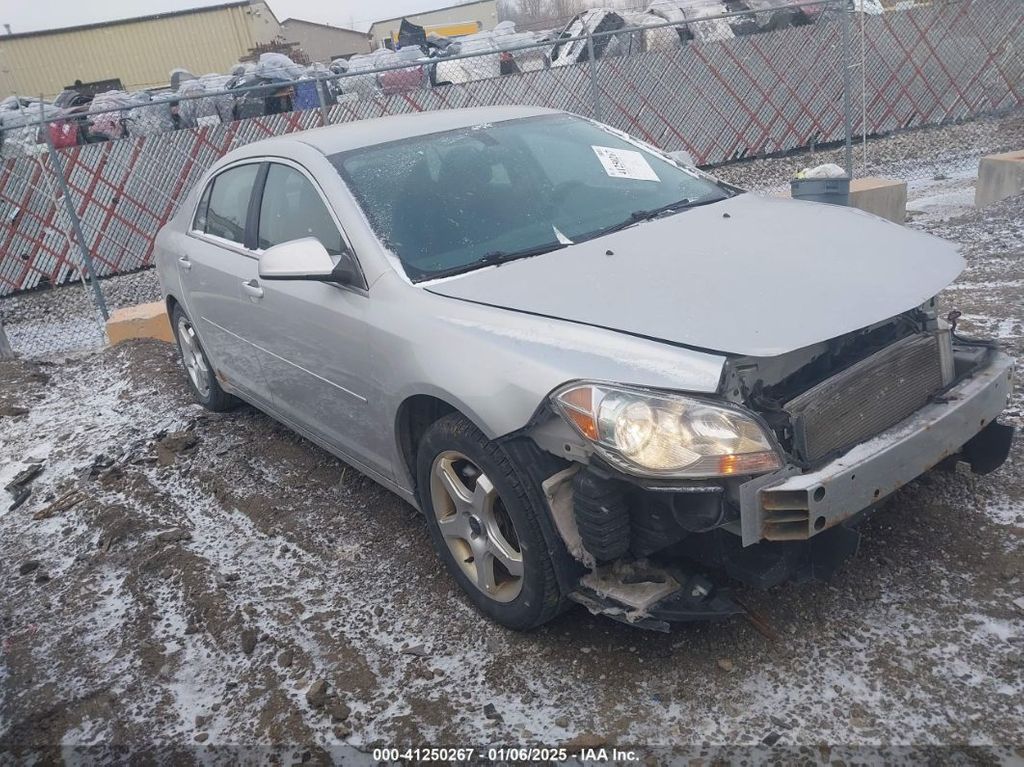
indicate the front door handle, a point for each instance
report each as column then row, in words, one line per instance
column 252, row 289
column 185, row 263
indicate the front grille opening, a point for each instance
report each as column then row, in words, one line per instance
column 867, row 398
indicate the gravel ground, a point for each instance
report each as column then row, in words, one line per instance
column 179, row 578
column 65, row 319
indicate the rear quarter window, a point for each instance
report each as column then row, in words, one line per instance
column 199, row 222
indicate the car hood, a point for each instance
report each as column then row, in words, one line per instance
column 749, row 275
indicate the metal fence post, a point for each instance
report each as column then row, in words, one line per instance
column 845, row 9
column 6, row 352
column 325, row 116
column 65, row 191
column 595, row 92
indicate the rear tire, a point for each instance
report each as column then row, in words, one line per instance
column 202, row 380
column 484, row 525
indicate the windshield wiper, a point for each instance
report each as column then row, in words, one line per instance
column 495, row 258
column 647, row 215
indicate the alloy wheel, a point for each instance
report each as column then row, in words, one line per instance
column 476, row 526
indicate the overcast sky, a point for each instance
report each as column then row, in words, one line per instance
column 24, row 16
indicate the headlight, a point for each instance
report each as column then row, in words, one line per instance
column 666, row 434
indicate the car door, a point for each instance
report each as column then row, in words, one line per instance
column 312, row 336
column 216, row 271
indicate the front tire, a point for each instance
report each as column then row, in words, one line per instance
column 202, row 381
column 484, row 525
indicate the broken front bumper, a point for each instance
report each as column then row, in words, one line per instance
column 788, row 505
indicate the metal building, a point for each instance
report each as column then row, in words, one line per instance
column 481, row 13
column 324, row 42
column 140, row 52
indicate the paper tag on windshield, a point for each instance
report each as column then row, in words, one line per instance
column 625, row 163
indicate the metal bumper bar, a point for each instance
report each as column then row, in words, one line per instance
column 788, row 505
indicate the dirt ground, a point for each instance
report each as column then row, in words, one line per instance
column 177, row 579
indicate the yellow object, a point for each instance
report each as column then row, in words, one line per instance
column 885, row 197
column 447, row 30
column 999, row 176
column 142, row 321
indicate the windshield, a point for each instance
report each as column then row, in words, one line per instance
column 449, row 202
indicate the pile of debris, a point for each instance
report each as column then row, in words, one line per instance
column 273, row 82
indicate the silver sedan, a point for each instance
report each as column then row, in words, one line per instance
column 600, row 373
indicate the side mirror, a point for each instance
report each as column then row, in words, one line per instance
column 308, row 259
column 682, row 157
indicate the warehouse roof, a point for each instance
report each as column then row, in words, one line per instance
column 325, row 26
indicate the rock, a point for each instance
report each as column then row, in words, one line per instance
column 316, row 695
column 178, row 441
column 201, row 721
column 12, row 411
column 338, row 711
column 202, row 737
column 21, row 494
column 65, row 502
column 422, row 671
column 418, row 650
column 285, row 659
column 778, row 721
column 378, row 611
column 28, row 566
column 1019, row 603
column 111, row 476
column 342, row 731
column 174, row 535
column 491, row 712
column 165, row 457
column 42, row 577
column 726, row 664
column 585, row 740
column 771, row 738
column 561, row 721
column 248, row 639
column 24, row 476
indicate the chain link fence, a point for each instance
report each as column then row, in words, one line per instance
column 83, row 194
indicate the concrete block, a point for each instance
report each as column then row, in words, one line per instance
column 142, row 321
column 999, row 176
column 884, row 197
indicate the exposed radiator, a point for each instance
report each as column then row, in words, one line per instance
column 871, row 395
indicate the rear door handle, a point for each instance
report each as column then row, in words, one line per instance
column 252, row 289
column 185, row 263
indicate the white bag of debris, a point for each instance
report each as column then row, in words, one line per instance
column 178, row 76
column 277, row 66
column 195, row 106
column 19, row 121
column 149, row 115
column 112, row 107
column 828, row 170
column 222, row 102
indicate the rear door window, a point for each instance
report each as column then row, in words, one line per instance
column 292, row 208
column 228, row 207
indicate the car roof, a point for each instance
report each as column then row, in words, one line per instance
column 359, row 133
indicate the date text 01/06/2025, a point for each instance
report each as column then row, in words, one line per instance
column 503, row 754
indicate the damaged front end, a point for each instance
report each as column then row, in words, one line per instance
column 843, row 424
